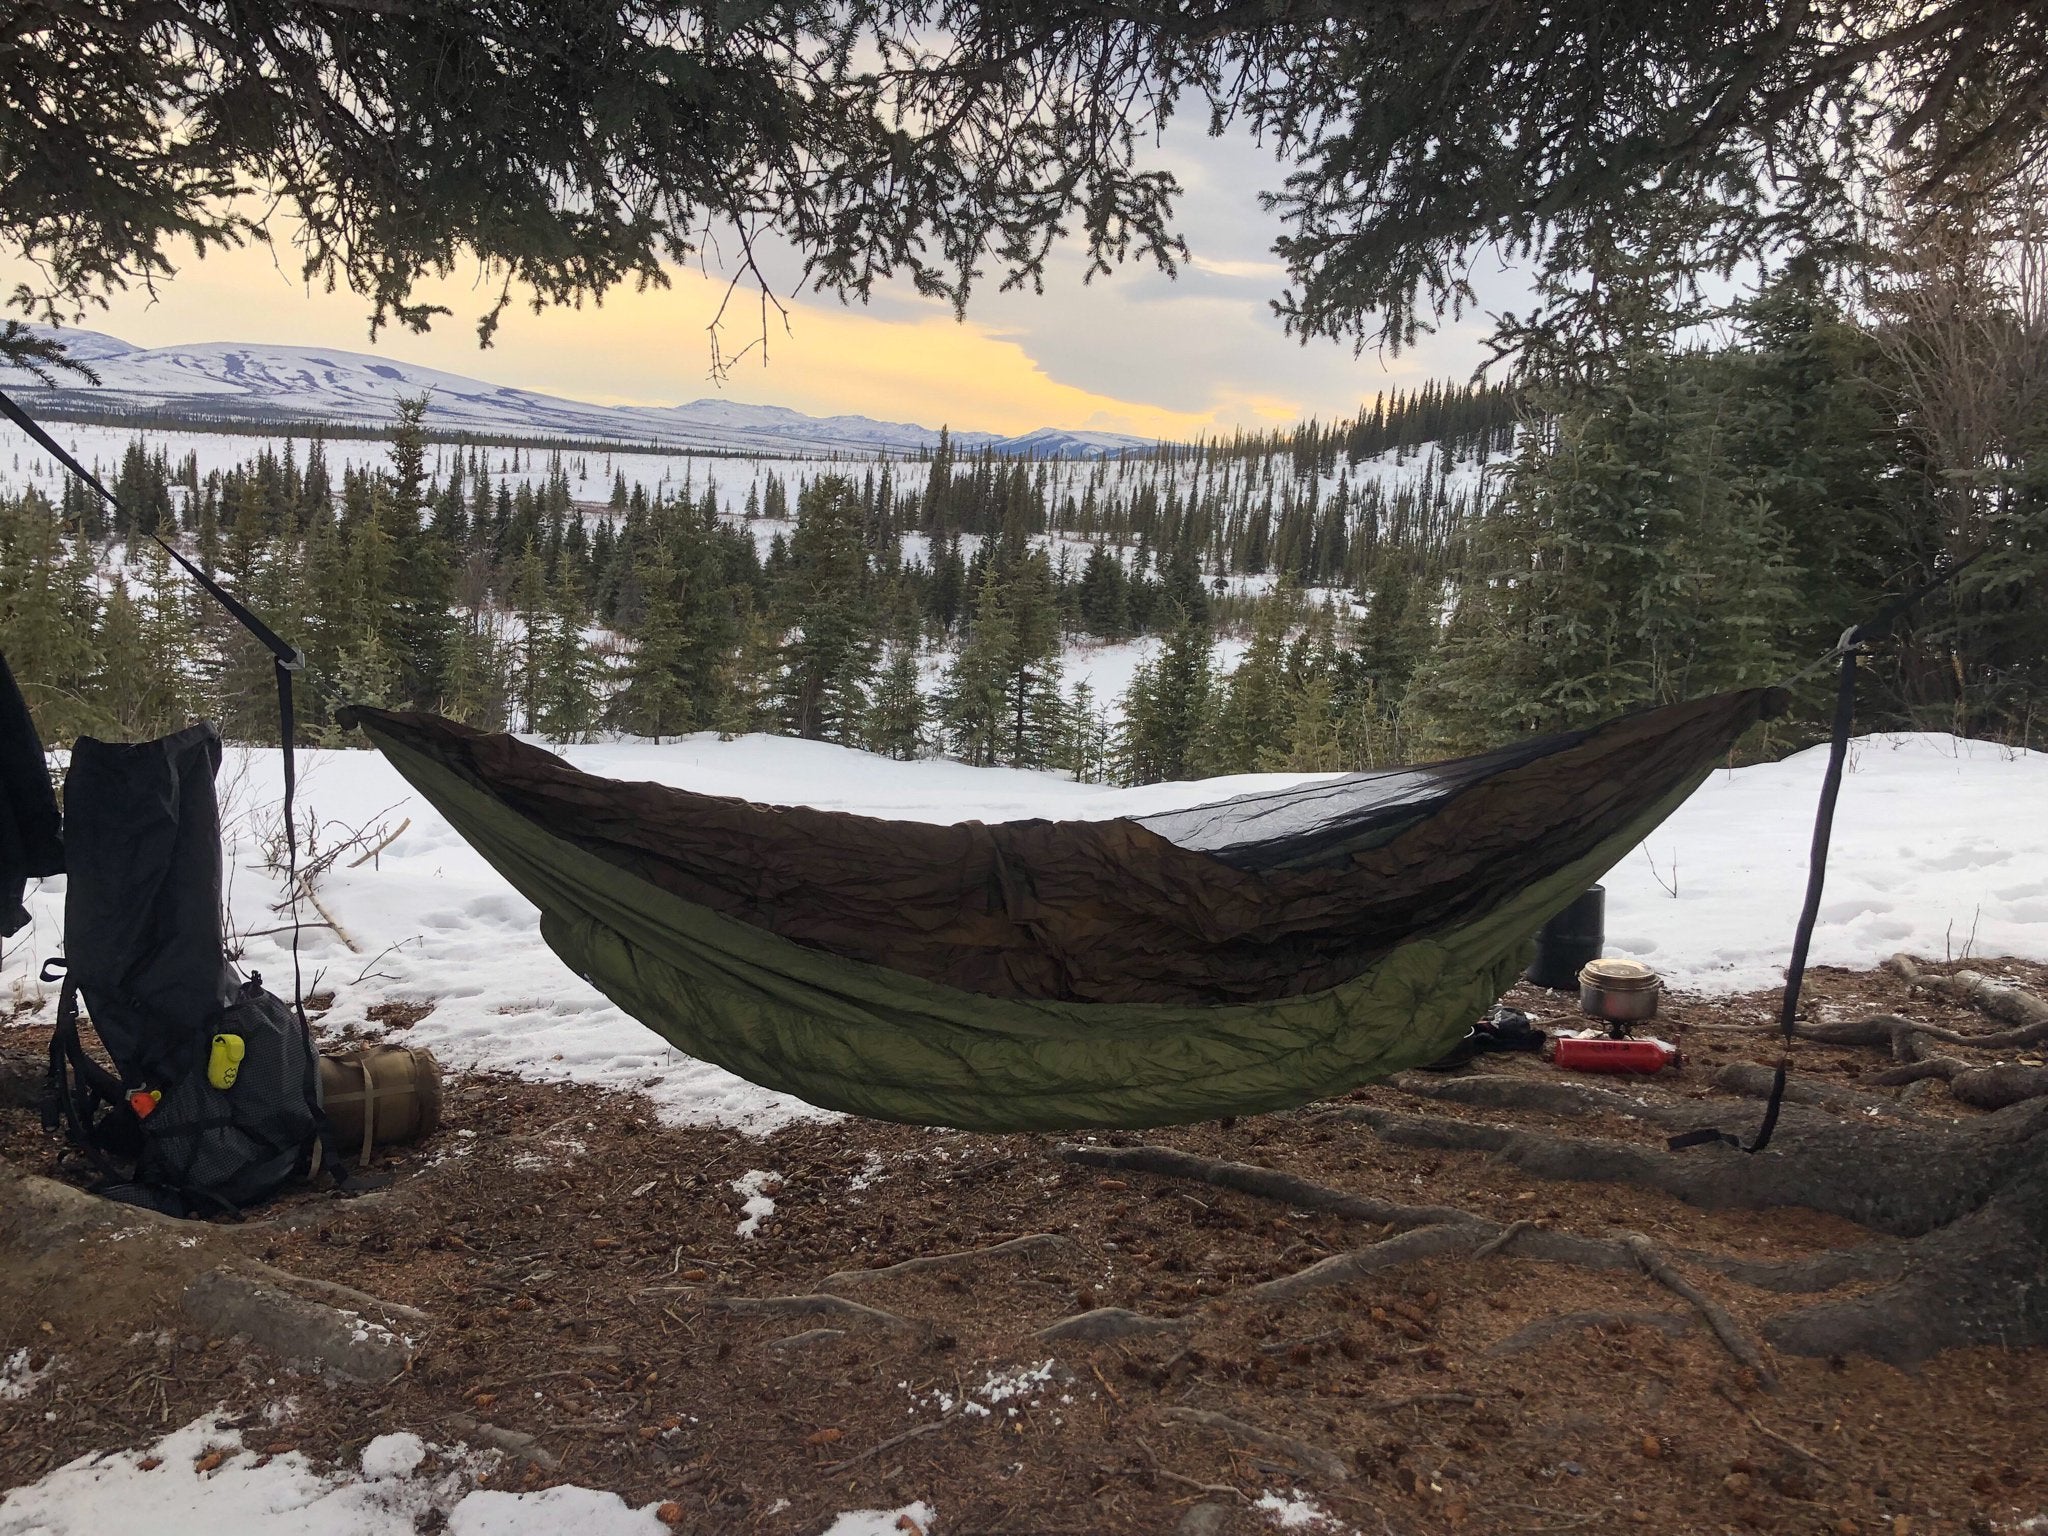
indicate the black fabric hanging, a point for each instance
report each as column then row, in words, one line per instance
column 31, row 840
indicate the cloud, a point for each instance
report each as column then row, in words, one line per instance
column 1133, row 351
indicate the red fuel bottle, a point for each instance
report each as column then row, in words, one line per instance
column 1604, row 1055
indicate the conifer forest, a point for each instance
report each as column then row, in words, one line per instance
column 1624, row 519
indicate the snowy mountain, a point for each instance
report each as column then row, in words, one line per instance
column 232, row 381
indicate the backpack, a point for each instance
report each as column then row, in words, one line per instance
column 213, row 1101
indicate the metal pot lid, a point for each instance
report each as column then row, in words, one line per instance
column 1617, row 975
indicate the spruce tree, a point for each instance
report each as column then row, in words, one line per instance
column 1252, row 717
column 567, row 697
column 49, row 618
column 829, row 656
column 1168, row 708
column 896, row 714
column 655, row 699
column 974, row 698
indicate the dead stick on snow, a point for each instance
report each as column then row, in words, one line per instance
column 359, row 863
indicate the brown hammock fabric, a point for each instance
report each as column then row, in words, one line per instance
column 1110, row 911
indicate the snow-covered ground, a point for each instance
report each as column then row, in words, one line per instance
column 402, row 1483
column 1941, row 848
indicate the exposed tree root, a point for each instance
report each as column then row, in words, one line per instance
column 1310, row 1458
column 1754, row 1082
column 1822, row 1272
column 1508, row 1234
column 346, row 1295
column 1973, row 1196
column 1573, row 1100
column 1718, row 1318
column 810, row 1338
column 1977, row 1281
column 1464, row 1234
column 1107, row 1325
column 1889, row 1029
column 1344, row 1268
column 1872, row 1173
column 296, row 1328
column 1980, row 1087
column 1265, row 1183
column 1016, row 1247
column 1540, row 1333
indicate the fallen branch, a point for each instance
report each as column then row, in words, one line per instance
column 360, row 862
column 1188, row 1482
column 1781, row 1441
column 893, row 1441
column 1424, row 1399
column 1996, row 999
column 1312, row 1458
column 838, row 1308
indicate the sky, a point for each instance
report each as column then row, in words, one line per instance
column 1134, row 352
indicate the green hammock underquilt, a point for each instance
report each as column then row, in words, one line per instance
column 1035, row 975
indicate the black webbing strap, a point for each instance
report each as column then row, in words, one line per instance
column 76, row 1080
column 285, row 659
column 1851, row 646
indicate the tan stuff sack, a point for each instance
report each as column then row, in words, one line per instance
column 380, row 1096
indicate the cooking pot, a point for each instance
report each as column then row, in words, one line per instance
column 1621, row 991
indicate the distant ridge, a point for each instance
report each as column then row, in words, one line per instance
column 252, row 383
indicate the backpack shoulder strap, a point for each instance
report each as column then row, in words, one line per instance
column 77, row 1088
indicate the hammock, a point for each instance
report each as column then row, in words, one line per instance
column 1235, row 958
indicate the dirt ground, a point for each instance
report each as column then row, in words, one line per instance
column 574, row 1257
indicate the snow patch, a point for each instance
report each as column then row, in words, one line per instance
column 405, row 1485
column 1297, row 1512
column 18, row 1377
column 881, row 1522
column 756, row 1188
column 396, row 1455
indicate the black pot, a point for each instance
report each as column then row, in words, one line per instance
column 1570, row 940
